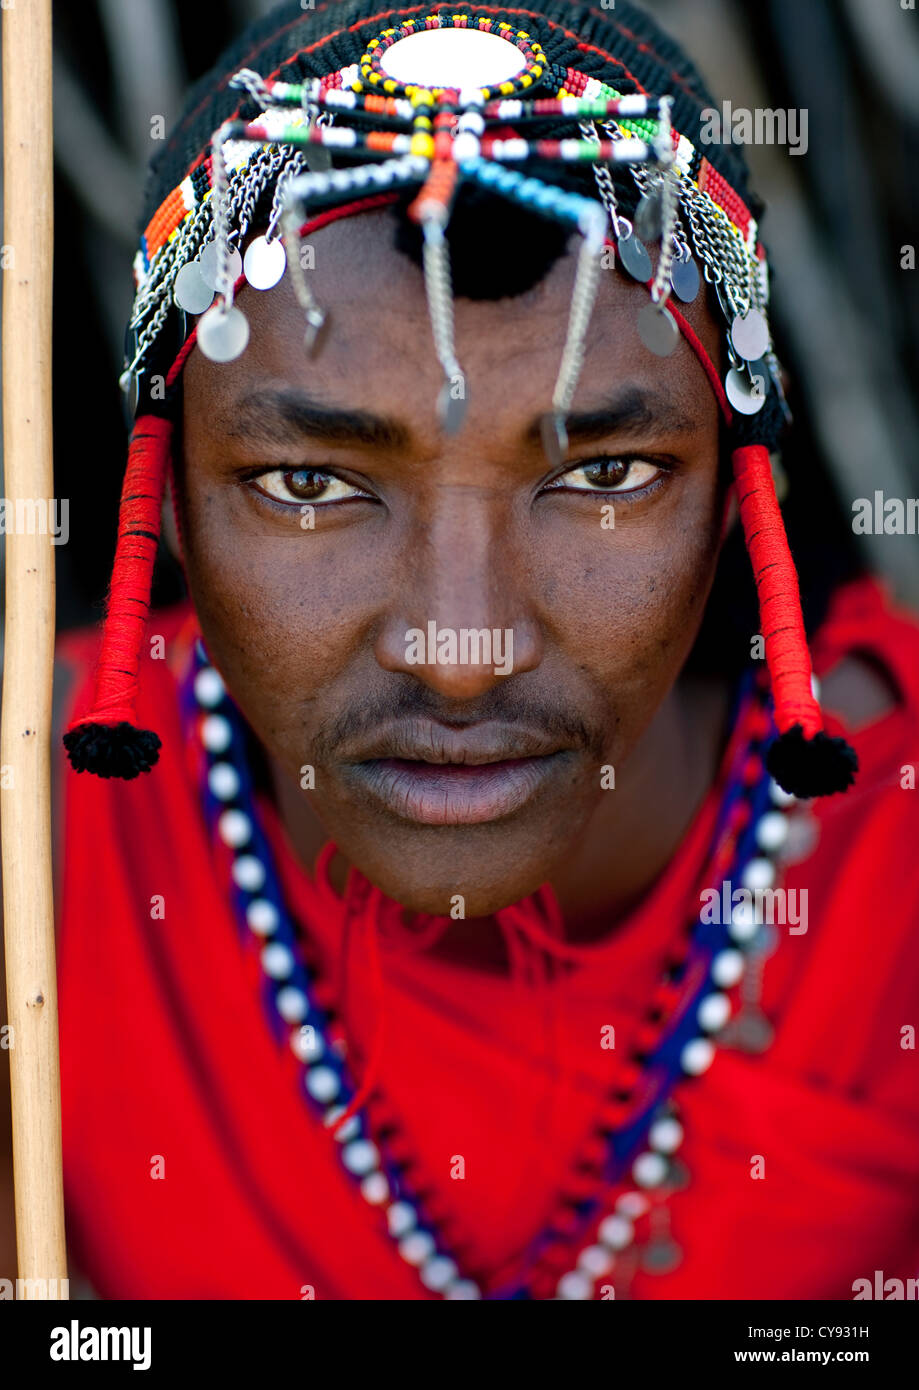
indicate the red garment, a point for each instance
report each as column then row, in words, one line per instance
column 166, row 1054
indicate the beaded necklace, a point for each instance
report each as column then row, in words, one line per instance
column 638, row 1133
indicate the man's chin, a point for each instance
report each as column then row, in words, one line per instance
column 448, row 900
column 444, row 882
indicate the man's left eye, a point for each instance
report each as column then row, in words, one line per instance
column 608, row 475
column 298, row 485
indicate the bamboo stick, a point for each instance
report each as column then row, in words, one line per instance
column 25, row 730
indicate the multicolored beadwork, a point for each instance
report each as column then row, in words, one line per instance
column 438, row 137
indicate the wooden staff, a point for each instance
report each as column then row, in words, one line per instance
column 25, row 733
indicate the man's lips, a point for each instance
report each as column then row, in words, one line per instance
column 435, row 775
column 455, row 793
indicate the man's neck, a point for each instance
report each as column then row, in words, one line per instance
column 628, row 843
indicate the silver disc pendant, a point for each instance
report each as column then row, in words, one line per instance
column 648, row 217
column 554, row 438
column 760, row 375
column 635, row 259
column 657, row 330
column 661, row 1255
column 750, row 335
column 207, row 263
column 317, row 157
column 265, row 263
column 223, row 334
column 451, row 409
column 748, row 1031
column 130, row 384
column 684, row 277
column 190, row 291
column 743, row 393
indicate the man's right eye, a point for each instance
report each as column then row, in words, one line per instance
column 294, row 486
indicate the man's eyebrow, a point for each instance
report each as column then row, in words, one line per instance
column 274, row 415
column 628, row 411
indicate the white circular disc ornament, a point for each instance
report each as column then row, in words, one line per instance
column 750, row 335
column 741, row 393
column 657, row 330
column 453, row 58
column 223, row 334
column 207, row 265
column 265, row 263
column 190, row 291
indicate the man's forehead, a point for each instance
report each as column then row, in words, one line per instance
column 377, row 360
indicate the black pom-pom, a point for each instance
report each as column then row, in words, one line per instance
column 112, row 750
column 817, row 766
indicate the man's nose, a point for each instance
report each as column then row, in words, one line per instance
column 461, row 619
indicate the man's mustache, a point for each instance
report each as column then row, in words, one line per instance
column 410, row 701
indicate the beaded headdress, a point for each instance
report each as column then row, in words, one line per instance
column 433, row 102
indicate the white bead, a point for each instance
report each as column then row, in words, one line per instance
column 649, row 1169
column 360, row 1157
column 416, row 1247
column 727, row 968
column 262, row 916
column 248, row 873
column 697, row 1056
column 307, row 1045
column 437, row 1272
column 714, row 1012
column 772, row 831
column 277, row 961
column 216, row 733
column 463, row 1289
column 759, row 873
column 472, row 120
column 234, row 828
column 616, row 1232
column 465, row 146
column 595, row 1260
column 574, row 1285
column 401, row 1219
column 666, row 1135
column 632, row 1205
column 779, row 796
column 293, row 1005
column 375, row 1188
column 322, row 1084
column 223, row 780
column 209, row 688
column 349, row 1130
column 744, row 925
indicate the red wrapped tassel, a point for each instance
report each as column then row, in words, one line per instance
column 804, row 760
column 107, row 741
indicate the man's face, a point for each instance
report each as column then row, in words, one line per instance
column 441, row 767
